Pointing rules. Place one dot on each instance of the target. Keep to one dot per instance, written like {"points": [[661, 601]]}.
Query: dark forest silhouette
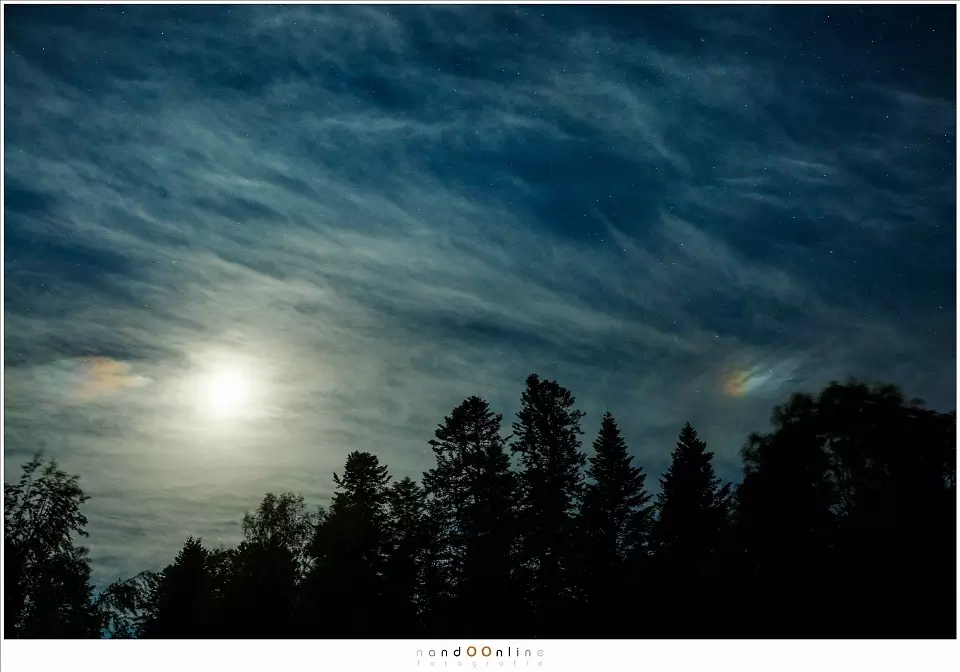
{"points": [[843, 526]]}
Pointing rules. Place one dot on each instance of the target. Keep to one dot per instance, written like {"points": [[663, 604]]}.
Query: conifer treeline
{"points": [[843, 526]]}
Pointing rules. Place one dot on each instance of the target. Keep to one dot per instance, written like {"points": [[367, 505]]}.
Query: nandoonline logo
{"points": [[480, 656]]}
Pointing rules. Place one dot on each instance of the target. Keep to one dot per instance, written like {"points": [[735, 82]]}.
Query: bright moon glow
{"points": [[225, 392]]}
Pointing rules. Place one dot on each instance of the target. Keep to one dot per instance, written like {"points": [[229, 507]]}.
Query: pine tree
{"points": [[547, 444], [180, 601], [472, 515], [615, 522], [406, 556], [349, 552], [689, 532]]}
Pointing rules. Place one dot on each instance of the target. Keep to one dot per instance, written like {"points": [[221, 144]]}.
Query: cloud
{"points": [[384, 210]]}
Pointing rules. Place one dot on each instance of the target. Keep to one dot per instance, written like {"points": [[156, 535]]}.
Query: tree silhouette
{"points": [[406, 557], [261, 591], [180, 600], [349, 552], [844, 525], [47, 590], [785, 517], [224, 567], [282, 522], [615, 522], [274, 560], [692, 510], [854, 486], [471, 506], [547, 444]]}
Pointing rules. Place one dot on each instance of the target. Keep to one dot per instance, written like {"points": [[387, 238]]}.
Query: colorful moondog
{"points": [[82, 379]]}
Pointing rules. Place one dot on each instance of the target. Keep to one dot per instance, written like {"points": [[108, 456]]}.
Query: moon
{"points": [[225, 392]]}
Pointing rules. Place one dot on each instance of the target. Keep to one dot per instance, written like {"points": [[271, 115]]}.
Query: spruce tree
{"points": [[180, 601], [349, 552], [615, 522], [471, 507], [547, 444], [693, 512], [406, 556]]}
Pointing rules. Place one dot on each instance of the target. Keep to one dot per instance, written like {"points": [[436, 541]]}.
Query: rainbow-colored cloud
{"points": [[744, 381], [82, 379]]}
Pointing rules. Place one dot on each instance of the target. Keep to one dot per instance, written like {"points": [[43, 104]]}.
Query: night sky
{"points": [[241, 242]]}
